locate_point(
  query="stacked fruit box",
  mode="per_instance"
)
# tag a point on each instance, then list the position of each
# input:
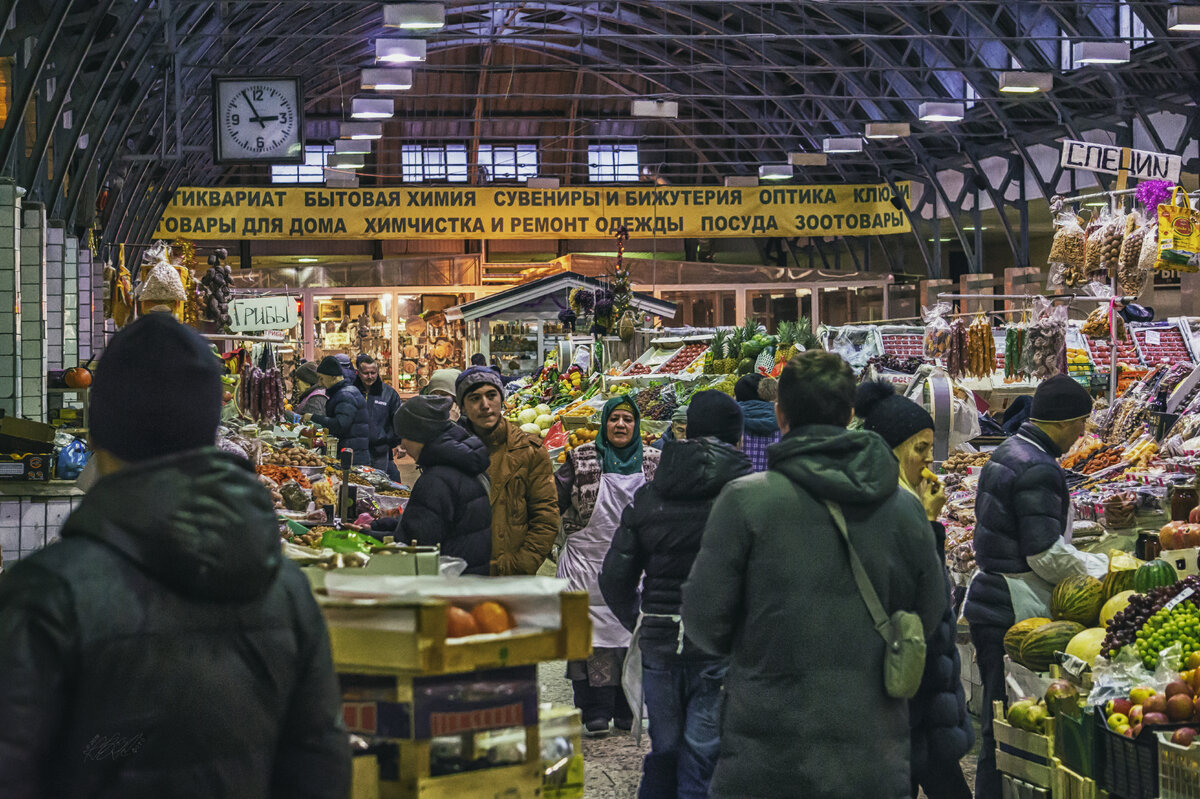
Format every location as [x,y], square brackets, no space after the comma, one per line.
[903,345]
[1127,352]
[1162,344]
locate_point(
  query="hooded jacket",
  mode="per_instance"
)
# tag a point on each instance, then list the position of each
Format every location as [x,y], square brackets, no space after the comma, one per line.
[772,590]
[346,419]
[660,535]
[382,402]
[449,504]
[523,499]
[761,431]
[164,647]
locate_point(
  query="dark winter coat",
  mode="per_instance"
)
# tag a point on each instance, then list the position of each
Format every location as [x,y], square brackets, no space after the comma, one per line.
[940,727]
[382,403]
[164,648]
[449,504]
[1021,510]
[660,535]
[312,402]
[772,589]
[760,431]
[346,419]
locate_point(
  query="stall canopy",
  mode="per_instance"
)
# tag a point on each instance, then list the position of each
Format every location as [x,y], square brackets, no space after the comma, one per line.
[544,298]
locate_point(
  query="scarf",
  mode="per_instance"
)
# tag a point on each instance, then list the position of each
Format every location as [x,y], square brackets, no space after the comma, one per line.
[626,459]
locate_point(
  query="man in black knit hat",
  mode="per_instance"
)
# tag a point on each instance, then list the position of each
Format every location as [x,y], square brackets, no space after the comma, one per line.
[164,647]
[1022,541]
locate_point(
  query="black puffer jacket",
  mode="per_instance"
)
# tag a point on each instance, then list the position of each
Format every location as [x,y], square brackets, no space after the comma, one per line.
[164,648]
[660,535]
[382,402]
[1021,510]
[346,419]
[449,504]
[940,728]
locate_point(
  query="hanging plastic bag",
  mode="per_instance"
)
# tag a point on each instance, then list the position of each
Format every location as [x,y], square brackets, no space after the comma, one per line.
[1068,250]
[1178,234]
[1045,353]
[856,345]
[937,330]
[1095,236]
[1149,254]
[1129,276]
[1014,343]
[1112,236]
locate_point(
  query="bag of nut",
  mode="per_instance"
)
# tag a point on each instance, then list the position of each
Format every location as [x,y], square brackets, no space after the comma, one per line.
[1068,249]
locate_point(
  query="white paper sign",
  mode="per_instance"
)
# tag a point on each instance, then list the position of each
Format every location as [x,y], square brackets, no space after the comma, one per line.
[256,314]
[1153,337]
[1141,164]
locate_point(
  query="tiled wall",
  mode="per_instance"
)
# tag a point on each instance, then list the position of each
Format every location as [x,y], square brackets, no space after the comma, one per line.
[33,311]
[55,271]
[78,302]
[29,523]
[10,298]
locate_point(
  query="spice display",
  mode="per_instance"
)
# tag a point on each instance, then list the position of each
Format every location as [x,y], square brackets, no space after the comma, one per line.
[281,474]
[1069,249]
[937,331]
[981,348]
[961,461]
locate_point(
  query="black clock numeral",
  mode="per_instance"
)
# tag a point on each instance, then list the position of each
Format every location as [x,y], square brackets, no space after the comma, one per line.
[258,93]
[261,143]
[236,119]
[283,118]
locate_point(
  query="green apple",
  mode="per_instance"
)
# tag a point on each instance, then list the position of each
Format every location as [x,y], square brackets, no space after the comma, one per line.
[1140,694]
[1118,720]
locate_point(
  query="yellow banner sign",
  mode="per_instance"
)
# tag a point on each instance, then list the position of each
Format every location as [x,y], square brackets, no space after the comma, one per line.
[522,213]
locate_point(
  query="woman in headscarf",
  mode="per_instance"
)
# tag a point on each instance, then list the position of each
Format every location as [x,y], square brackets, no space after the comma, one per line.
[940,729]
[595,485]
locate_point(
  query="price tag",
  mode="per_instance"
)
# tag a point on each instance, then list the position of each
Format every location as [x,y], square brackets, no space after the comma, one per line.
[1182,595]
[1153,337]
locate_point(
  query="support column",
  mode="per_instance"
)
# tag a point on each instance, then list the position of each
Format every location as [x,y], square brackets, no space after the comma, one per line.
[83,274]
[72,302]
[33,312]
[55,273]
[10,298]
[99,323]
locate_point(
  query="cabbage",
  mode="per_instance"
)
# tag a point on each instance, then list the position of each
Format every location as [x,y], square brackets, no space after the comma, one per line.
[527,416]
[544,421]
[541,409]
[531,429]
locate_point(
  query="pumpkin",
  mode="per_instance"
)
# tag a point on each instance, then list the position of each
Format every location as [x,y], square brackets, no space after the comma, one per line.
[1077,599]
[1154,574]
[1017,634]
[77,377]
[1039,648]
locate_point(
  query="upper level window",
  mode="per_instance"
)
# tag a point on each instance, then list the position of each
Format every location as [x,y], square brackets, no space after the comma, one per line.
[509,161]
[1130,26]
[316,156]
[433,162]
[611,163]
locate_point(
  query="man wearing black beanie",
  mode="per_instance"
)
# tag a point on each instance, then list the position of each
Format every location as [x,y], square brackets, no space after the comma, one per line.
[164,643]
[1023,519]
[659,537]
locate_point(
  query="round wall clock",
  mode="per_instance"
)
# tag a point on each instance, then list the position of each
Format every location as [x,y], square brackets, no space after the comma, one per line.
[258,119]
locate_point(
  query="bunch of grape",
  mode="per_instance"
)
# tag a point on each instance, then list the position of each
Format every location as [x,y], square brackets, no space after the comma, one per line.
[895,363]
[1180,624]
[1126,627]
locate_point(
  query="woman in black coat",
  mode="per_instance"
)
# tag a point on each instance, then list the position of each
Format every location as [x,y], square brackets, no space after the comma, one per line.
[940,729]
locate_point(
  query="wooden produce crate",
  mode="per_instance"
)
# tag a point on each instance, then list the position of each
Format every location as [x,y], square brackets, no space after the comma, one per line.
[1027,756]
[1013,788]
[409,638]
[1069,785]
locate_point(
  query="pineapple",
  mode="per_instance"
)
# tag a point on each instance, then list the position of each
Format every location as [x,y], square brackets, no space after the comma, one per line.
[716,352]
[733,349]
[787,342]
[804,337]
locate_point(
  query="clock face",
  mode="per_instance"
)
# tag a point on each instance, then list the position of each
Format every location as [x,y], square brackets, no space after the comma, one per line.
[258,119]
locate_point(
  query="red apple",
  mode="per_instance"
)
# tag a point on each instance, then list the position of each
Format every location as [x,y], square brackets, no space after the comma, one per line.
[1155,704]
[1128,732]
[1155,720]
[1177,687]
[1135,714]
[1122,706]
[1179,707]
[1183,736]
[1137,730]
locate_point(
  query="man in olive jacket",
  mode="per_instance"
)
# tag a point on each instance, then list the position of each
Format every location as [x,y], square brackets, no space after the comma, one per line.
[524,500]
[772,589]
[163,647]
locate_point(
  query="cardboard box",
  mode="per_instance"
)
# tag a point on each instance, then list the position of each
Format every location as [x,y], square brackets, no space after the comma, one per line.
[31,466]
[23,436]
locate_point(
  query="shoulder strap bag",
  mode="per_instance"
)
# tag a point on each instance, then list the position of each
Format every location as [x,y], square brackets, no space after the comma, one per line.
[902,632]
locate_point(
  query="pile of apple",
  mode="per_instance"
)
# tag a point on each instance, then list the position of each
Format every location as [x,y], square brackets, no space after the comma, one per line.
[1146,707]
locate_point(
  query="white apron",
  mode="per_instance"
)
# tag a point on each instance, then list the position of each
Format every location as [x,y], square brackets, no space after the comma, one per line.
[583,555]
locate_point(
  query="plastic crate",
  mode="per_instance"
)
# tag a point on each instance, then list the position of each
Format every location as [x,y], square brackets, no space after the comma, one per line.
[1129,765]
[1178,769]
[1075,742]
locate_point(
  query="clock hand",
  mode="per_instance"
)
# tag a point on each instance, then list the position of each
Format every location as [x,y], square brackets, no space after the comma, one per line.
[264,119]
[253,110]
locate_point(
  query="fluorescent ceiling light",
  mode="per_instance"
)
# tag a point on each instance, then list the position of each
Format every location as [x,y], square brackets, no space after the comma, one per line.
[808,159]
[1025,82]
[775,172]
[399,51]
[346,161]
[372,108]
[1100,52]
[361,130]
[941,112]
[307,259]
[351,147]
[542,183]
[387,79]
[887,130]
[1183,18]
[340,180]
[740,181]
[842,144]
[414,16]
[655,109]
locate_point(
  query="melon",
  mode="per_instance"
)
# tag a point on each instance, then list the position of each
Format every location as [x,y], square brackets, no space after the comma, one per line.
[1077,599]
[1116,582]
[1114,606]
[542,408]
[1039,647]
[1017,633]
[1154,574]
[1086,645]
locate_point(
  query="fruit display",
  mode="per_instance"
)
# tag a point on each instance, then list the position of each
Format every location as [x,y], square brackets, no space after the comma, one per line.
[656,403]
[293,456]
[1127,353]
[281,474]
[1028,714]
[1078,599]
[896,363]
[1179,535]
[1086,645]
[904,346]
[1097,326]
[1144,706]
[962,461]
[682,359]
[1017,634]
[1040,647]
[1132,626]
[1155,574]
[636,369]
[484,618]
[1162,345]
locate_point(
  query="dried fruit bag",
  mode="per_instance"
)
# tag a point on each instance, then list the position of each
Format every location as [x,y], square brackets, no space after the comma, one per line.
[937,330]
[1045,352]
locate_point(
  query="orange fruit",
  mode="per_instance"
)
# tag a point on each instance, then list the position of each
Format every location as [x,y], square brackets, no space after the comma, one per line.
[460,623]
[492,617]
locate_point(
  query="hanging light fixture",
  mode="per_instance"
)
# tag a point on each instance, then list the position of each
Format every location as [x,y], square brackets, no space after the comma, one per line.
[372,108]
[351,147]
[346,161]
[740,181]
[941,112]
[808,159]
[387,79]
[1183,18]
[361,131]
[775,172]
[655,109]
[1016,82]
[414,16]
[887,130]
[399,51]
[1100,53]
[336,179]
[842,144]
